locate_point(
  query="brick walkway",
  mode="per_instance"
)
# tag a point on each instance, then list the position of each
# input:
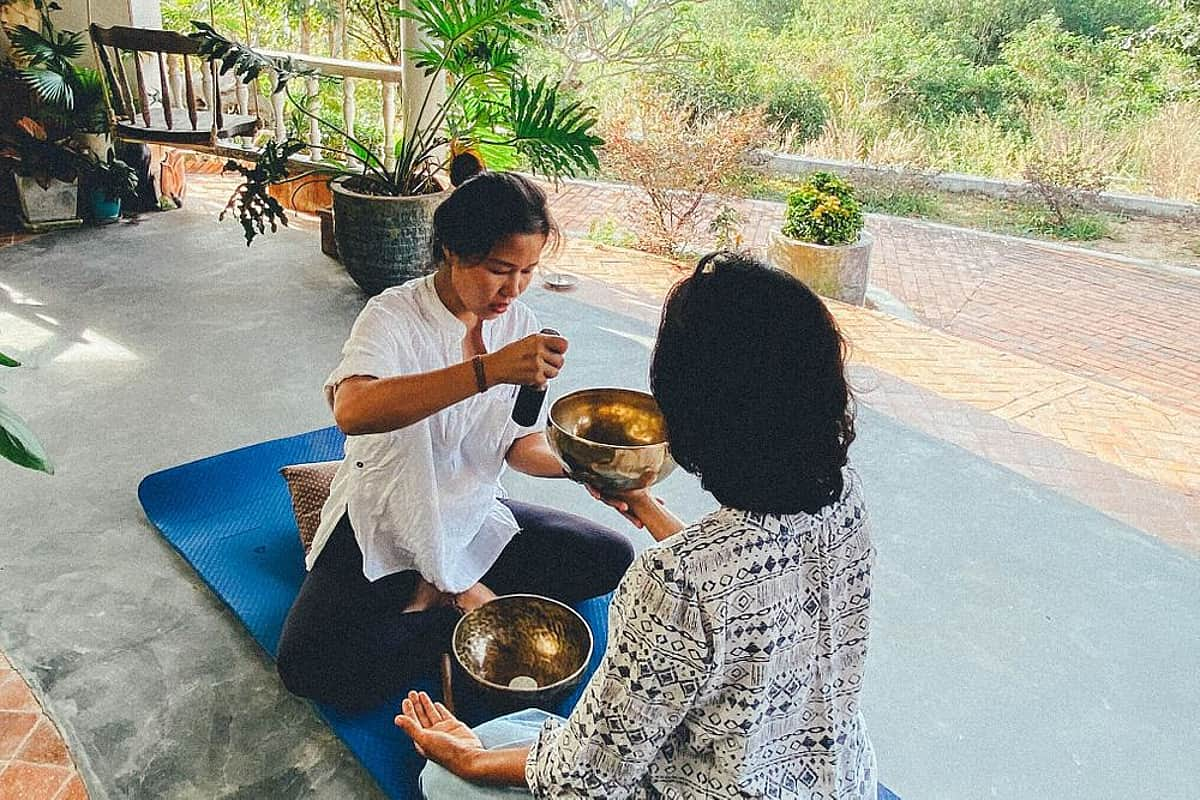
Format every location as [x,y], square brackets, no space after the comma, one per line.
[1086,313]
[34,762]
[1111,448]
[1108,418]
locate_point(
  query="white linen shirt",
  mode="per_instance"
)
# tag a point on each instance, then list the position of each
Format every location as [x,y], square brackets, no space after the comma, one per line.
[425,497]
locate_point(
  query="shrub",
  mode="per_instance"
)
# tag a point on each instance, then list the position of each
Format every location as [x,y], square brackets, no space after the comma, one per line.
[726,227]
[1067,165]
[796,108]
[725,79]
[823,211]
[676,161]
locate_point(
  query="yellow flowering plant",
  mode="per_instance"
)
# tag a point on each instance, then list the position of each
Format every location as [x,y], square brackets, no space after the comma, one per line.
[823,210]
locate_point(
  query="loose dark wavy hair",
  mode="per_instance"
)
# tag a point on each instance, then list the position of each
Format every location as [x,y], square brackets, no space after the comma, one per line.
[749,370]
[485,209]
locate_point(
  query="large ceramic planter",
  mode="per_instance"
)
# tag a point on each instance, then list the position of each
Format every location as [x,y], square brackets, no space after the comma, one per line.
[383,241]
[55,203]
[839,272]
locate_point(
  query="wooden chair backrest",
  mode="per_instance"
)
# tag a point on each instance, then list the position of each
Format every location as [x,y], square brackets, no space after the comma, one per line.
[112,42]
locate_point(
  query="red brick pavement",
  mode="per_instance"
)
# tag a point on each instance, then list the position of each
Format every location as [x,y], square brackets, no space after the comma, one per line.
[34,762]
[1133,327]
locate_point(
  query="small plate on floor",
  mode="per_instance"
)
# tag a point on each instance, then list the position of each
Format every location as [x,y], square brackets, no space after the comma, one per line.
[560,281]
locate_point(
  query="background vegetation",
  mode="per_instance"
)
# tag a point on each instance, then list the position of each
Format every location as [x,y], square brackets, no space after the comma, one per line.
[989,87]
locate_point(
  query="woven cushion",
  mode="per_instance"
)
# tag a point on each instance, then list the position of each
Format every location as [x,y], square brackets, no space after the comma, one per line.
[309,486]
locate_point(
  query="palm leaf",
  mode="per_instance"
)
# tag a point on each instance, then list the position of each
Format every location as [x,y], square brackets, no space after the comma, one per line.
[57,50]
[453,22]
[68,45]
[19,445]
[557,140]
[8,361]
[49,87]
[30,46]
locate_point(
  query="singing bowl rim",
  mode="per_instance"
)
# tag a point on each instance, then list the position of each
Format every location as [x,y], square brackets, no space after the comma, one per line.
[551,421]
[569,680]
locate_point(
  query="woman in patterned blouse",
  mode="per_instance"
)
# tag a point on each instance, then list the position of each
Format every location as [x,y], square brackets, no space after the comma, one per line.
[736,648]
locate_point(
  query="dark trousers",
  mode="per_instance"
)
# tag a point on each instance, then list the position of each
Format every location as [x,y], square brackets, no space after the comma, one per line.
[346,641]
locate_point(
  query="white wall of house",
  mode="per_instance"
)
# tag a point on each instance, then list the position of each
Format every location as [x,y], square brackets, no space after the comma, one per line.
[137,13]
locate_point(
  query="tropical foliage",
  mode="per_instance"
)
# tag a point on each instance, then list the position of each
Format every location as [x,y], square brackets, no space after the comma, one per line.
[491,107]
[28,150]
[71,96]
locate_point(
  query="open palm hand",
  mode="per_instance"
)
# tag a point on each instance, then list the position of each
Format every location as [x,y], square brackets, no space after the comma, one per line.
[438,735]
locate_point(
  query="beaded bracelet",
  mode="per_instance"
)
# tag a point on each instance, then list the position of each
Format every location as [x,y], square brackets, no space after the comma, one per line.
[480,377]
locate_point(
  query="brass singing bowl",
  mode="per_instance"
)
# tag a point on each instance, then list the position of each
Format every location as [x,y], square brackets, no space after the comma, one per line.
[524,648]
[613,439]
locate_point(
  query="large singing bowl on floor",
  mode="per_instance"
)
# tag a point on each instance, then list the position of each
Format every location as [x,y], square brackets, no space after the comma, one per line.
[613,439]
[523,649]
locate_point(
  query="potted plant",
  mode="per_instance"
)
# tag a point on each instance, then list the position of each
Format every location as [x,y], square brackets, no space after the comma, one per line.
[107,182]
[822,241]
[47,150]
[491,111]
[45,170]
[70,98]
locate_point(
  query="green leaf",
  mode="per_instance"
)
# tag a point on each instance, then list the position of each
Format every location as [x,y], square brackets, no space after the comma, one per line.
[498,157]
[19,445]
[49,87]
[6,361]
[558,141]
[363,154]
[451,23]
[31,46]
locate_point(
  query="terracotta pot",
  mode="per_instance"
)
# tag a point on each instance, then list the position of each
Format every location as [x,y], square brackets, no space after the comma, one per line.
[383,241]
[840,272]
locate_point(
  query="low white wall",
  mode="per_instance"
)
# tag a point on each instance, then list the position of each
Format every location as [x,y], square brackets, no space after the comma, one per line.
[785,164]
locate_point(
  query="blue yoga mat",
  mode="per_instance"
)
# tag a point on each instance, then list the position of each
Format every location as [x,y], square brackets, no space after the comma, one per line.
[230,517]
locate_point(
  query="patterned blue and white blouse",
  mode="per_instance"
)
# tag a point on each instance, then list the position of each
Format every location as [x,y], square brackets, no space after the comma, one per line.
[734,667]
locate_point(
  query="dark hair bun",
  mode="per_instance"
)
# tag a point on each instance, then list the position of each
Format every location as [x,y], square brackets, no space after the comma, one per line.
[463,166]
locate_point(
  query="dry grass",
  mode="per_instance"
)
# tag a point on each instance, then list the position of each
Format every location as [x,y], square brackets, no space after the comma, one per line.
[1167,150]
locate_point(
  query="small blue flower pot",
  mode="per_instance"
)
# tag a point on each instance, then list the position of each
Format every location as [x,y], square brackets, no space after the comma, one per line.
[104,210]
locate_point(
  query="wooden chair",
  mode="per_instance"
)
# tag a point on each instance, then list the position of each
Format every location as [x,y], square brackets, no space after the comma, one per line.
[174,120]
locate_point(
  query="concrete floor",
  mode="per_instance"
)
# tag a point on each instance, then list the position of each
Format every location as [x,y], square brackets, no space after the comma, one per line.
[1024,644]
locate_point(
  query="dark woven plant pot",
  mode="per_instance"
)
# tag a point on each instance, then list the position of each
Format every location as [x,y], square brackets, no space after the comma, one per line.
[383,241]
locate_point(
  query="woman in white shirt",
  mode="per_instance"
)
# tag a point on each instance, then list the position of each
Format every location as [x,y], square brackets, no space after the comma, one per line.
[736,647]
[417,530]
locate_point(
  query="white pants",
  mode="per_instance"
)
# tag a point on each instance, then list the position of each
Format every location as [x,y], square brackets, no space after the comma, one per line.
[512,730]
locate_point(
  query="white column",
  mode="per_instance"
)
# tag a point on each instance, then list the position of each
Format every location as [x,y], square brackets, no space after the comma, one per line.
[415,84]
[349,109]
[277,101]
[312,103]
[389,124]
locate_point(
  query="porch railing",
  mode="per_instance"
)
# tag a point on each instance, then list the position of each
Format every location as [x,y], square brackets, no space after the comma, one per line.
[386,79]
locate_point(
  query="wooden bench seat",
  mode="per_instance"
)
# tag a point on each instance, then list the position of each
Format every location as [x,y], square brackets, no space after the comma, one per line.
[159,132]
